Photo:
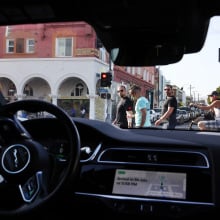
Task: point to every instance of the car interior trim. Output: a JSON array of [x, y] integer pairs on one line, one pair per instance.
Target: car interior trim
[[154, 157]]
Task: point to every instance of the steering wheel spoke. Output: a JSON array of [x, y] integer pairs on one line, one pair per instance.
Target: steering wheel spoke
[[31, 187]]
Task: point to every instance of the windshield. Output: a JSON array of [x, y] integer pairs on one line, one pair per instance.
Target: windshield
[[67, 64]]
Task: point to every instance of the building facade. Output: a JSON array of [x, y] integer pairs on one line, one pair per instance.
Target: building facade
[[65, 61]]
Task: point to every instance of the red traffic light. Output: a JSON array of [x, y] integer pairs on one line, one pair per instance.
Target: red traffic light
[[104, 76], [106, 79]]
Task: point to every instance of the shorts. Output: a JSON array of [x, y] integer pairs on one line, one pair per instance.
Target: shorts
[[212, 125]]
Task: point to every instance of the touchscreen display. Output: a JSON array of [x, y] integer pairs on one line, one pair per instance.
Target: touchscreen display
[[150, 183]]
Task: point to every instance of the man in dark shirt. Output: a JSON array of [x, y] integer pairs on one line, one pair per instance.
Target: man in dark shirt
[[124, 111], [169, 109]]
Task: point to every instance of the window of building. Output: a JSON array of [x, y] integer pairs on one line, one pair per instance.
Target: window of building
[[64, 47], [30, 45], [18, 45], [10, 45], [79, 89]]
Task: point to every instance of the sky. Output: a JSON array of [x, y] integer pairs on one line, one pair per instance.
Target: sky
[[205, 64]]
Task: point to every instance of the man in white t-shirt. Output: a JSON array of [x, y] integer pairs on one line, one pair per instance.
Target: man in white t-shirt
[[83, 112]]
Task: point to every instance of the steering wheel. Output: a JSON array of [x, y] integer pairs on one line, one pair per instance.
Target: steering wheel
[[26, 166]]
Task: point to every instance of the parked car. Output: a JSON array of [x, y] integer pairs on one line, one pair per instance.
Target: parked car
[[62, 167], [189, 111], [158, 112], [153, 116], [179, 117], [185, 114]]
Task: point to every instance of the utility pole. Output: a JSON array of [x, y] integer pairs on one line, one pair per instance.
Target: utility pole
[[190, 92]]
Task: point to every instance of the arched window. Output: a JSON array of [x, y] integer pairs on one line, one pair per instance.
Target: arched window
[[79, 89]]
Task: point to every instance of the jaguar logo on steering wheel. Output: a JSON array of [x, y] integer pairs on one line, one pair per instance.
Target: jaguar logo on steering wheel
[[15, 159]]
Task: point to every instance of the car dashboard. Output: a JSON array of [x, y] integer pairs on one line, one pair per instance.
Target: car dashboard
[[151, 172]]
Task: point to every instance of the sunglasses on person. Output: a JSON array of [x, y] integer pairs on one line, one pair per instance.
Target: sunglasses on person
[[121, 90]]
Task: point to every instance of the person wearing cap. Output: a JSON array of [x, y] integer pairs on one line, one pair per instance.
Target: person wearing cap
[[214, 94], [212, 125]]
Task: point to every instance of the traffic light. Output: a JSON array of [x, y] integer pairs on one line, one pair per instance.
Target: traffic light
[[106, 79], [105, 95]]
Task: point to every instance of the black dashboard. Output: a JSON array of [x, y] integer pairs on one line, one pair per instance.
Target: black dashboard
[[149, 172]]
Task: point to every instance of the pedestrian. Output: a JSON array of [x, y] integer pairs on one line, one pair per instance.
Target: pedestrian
[[142, 108], [73, 112], [124, 111], [211, 125], [168, 116], [83, 112]]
